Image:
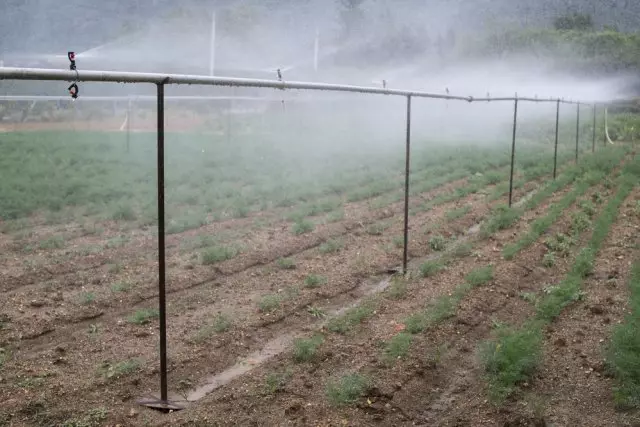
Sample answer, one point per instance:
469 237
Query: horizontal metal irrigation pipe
160 80
134 98
185 79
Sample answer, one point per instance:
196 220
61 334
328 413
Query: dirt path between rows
573 376
302 401
91 342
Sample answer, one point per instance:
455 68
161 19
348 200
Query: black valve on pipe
72 60
73 90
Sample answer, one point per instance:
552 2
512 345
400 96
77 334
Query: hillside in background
361 41
586 51
53 26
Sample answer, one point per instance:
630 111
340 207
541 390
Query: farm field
283 302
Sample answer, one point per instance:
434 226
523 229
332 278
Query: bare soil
438 383
71 345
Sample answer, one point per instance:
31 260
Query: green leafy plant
316 312
580 222
121 286
347 389
143 316
397 347
438 243
510 359
398 241
502 218
454 214
220 324
515 353
217 254
314 281
416 323
623 358
331 246
121 369
55 242
530 297
376 229
588 208
276 382
431 268
549 259
302 226
269 303
480 276
560 244
597 198
87 298
286 263
352 317
462 250
398 288
305 350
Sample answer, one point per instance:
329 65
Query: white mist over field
409 44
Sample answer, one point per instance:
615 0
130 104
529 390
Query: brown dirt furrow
141 252
136 251
470 406
573 374
499 303
39 229
237 292
88 313
346 353
69 291
140 248
115 333
73 351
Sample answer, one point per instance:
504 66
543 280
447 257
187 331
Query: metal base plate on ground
171 405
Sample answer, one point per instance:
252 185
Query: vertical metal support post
513 149
405 255
229 105
161 255
163 403
593 147
604 128
555 151
577 130
128 124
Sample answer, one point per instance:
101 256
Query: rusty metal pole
604 129
161 253
593 147
229 105
577 130
128 124
513 149
405 255
555 151
163 403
